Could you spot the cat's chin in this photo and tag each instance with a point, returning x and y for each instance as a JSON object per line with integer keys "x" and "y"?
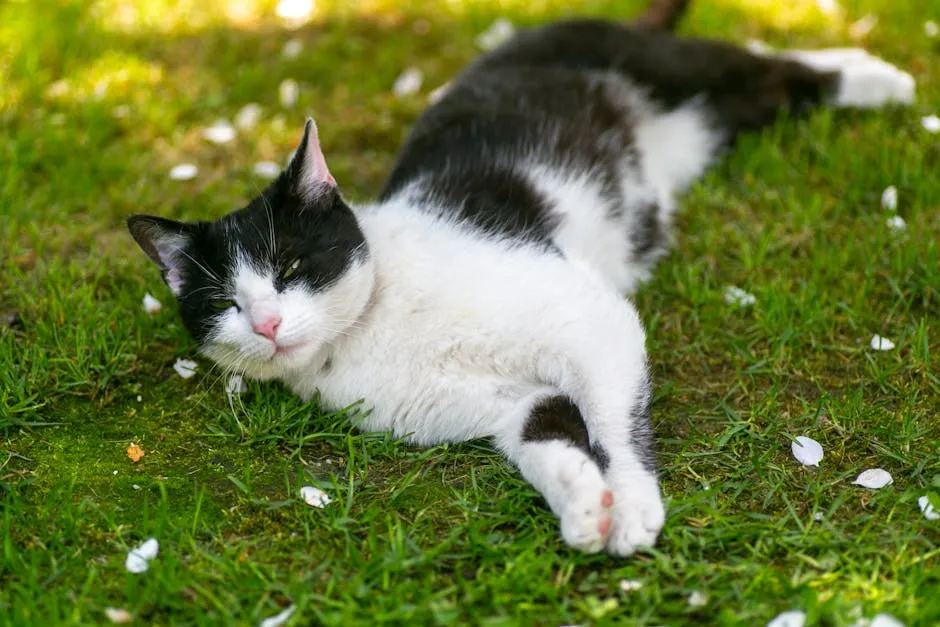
{"x": 279, "y": 364}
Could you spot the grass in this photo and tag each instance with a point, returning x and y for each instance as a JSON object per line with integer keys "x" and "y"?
{"x": 449, "y": 535}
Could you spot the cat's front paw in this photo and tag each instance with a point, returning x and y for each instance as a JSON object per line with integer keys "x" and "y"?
{"x": 586, "y": 518}
{"x": 639, "y": 516}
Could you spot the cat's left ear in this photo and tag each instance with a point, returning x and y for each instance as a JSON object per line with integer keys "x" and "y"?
{"x": 308, "y": 171}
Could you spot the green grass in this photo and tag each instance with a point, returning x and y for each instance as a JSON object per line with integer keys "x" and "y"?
{"x": 450, "y": 535}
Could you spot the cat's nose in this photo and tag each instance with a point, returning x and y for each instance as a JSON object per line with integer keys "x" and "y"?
{"x": 267, "y": 326}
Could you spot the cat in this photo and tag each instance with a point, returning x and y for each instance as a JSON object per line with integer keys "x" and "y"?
{"x": 483, "y": 293}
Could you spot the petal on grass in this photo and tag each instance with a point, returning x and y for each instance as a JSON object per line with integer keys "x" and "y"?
{"x": 874, "y": 479}
{"x": 931, "y": 123}
{"x": 792, "y": 618}
{"x": 288, "y": 92}
{"x": 498, "y": 32}
{"x": 219, "y": 133}
{"x": 118, "y": 615}
{"x": 736, "y": 296}
{"x": 879, "y": 343}
{"x": 630, "y": 585}
{"x": 927, "y": 508}
{"x": 292, "y": 49}
{"x": 931, "y": 29}
{"x": 138, "y": 558}
{"x": 889, "y": 198}
{"x": 896, "y": 224}
{"x": 185, "y": 368}
{"x": 807, "y": 451}
{"x": 184, "y": 172}
{"x": 314, "y": 497}
{"x": 278, "y": 619}
{"x": 248, "y": 116}
{"x": 697, "y": 599}
{"x": 266, "y": 169}
{"x": 151, "y": 305}
{"x": 860, "y": 28}
{"x": 408, "y": 83}
{"x": 885, "y": 620}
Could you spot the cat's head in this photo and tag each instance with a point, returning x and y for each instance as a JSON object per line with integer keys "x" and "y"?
{"x": 266, "y": 288}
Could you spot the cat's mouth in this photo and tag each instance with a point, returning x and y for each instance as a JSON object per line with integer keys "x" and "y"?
{"x": 280, "y": 349}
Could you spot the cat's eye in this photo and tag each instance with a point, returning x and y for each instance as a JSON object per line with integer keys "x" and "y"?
{"x": 289, "y": 270}
{"x": 222, "y": 305}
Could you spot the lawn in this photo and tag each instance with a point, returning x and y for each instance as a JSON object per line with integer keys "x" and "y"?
{"x": 99, "y": 100}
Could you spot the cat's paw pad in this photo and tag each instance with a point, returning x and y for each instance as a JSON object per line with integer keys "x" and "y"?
{"x": 586, "y": 520}
{"x": 639, "y": 516}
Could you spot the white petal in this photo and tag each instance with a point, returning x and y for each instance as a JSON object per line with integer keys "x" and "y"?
{"x": 881, "y": 343}
{"x": 278, "y": 619}
{"x": 408, "y": 83}
{"x": 151, "y": 305}
{"x": 885, "y": 620}
{"x": 137, "y": 559}
{"x": 931, "y": 123}
{"x": 862, "y": 27}
{"x": 185, "y": 368}
{"x": 629, "y": 585}
{"x": 807, "y": 451}
{"x": 135, "y": 563}
{"x": 314, "y": 497}
{"x": 219, "y": 133}
{"x": 736, "y": 296}
{"x": 149, "y": 549}
{"x": 697, "y": 599}
{"x": 118, "y": 615}
{"x": 793, "y": 618}
{"x": 292, "y": 49}
{"x": 287, "y": 92}
{"x": 266, "y": 169}
{"x": 498, "y": 32}
{"x": 184, "y": 172}
{"x": 896, "y": 223}
{"x": 874, "y": 478}
{"x": 931, "y": 29}
{"x": 248, "y": 116}
{"x": 929, "y": 512}
{"x": 818, "y": 516}
{"x": 889, "y": 198}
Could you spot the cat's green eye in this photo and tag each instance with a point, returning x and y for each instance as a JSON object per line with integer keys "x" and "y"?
{"x": 289, "y": 270}
{"x": 222, "y": 305}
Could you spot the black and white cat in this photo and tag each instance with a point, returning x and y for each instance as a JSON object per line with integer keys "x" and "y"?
{"x": 482, "y": 295}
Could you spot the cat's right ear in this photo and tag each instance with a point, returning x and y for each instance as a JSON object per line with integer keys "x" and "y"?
{"x": 165, "y": 242}
{"x": 308, "y": 172}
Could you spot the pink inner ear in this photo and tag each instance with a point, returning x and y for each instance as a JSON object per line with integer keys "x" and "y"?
{"x": 174, "y": 281}
{"x": 315, "y": 170}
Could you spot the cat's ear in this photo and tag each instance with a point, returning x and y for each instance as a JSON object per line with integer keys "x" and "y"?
{"x": 164, "y": 241}
{"x": 308, "y": 172}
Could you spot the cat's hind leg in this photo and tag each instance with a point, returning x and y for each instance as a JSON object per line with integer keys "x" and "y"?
{"x": 550, "y": 446}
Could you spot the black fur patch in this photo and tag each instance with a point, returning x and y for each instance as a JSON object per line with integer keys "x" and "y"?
{"x": 558, "y": 418}
{"x": 641, "y": 428}
{"x": 322, "y": 234}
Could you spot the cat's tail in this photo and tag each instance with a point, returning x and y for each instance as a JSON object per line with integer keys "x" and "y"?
{"x": 661, "y": 15}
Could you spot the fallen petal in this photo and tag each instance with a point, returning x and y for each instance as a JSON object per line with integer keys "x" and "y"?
{"x": 896, "y": 223}
{"x": 219, "y": 133}
{"x": 807, "y": 451}
{"x": 148, "y": 550}
{"x": 266, "y": 169}
{"x": 292, "y": 49}
{"x": 874, "y": 478}
{"x": 248, "y": 116}
{"x": 408, "y": 83}
{"x": 151, "y": 305}
{"x": 630, "y": 585}
{"x": 498, "y": 32}
{"x": 184, "y": 172}
{"x": 885, "y": 620}
{"x": 881, "y": 343}
{"x": 925, "y": 506}
{"x": 889, "y": 198}
{"x": 287, "y": 92}
{"x": 862, "y": 27}
{"x": 793, "y": 618}
{"x": 185, "y": 368}
{"x": 278, "y": 619}
{"x": 931, "y": 123}
{"x": 736, "y": 296}
{"x": 314, "y": 497}
{"x": 137, "y": 559}
{"x": 931, "y": 29}
{"x": 697, "y": 599}
{"x": 818, "y": 516}
{"x": 118, "y": 615}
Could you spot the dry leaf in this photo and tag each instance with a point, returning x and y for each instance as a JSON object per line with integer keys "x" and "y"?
{"x": 134, "y": 452}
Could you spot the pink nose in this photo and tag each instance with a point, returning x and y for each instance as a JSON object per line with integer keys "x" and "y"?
{"x": 267, "y": 327}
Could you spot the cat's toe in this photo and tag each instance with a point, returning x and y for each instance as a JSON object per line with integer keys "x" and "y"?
{"x": 638, "y": 518}
{"x": 586, "y": 522}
